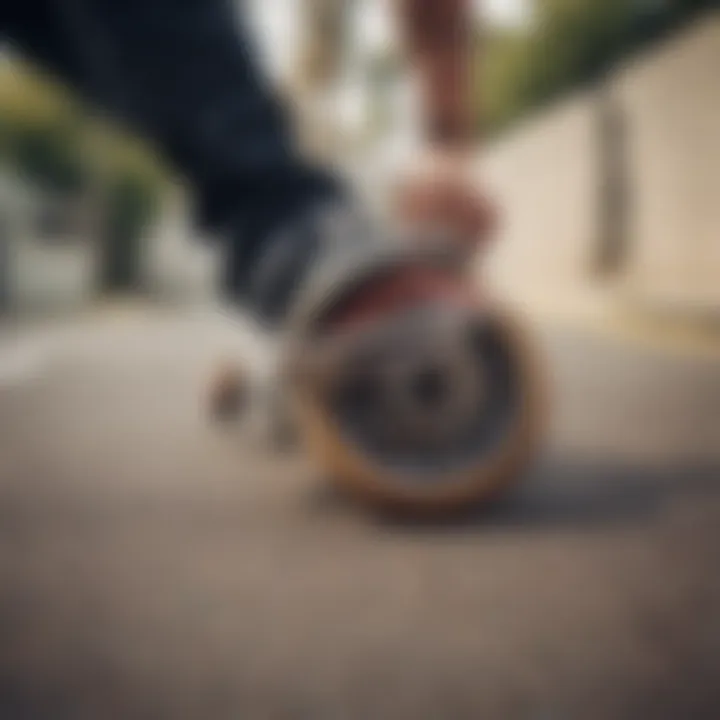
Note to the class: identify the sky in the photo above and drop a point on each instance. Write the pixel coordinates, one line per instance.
(506, 12)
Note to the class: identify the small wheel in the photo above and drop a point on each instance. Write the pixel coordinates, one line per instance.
(228, 395)
(282, 429)
(448, 429)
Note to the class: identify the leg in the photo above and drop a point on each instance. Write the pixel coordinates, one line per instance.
(183, 75)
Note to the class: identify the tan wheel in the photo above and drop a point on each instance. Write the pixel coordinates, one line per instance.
(228, 394)
(434, 460)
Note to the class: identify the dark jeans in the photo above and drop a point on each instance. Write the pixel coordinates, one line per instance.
(182, 73)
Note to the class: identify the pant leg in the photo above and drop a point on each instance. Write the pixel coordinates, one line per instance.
(183, 73)
(31, 27)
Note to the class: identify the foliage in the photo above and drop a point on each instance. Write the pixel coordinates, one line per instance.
(48, 155)
(39, 131)
(571, 43)
(131, 204)
(50, 140)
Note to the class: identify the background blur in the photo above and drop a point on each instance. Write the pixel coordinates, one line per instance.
(601, 120)
(151, 566)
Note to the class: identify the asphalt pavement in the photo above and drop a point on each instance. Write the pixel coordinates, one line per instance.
(154, 566)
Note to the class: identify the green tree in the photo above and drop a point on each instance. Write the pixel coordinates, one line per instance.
(572, 43)
(50, 156)
(48, 138)
(131, 204)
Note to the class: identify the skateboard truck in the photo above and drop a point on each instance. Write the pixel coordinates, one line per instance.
(428, 410)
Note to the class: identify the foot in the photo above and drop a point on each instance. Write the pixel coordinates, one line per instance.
(345, 287)
(319, 253)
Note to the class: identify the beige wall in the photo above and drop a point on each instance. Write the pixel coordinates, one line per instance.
(672, 100)
(545, 175)
(544, 179)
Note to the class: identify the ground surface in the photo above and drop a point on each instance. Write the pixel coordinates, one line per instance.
(153, 567)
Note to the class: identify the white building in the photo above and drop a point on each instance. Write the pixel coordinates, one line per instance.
(47, 258)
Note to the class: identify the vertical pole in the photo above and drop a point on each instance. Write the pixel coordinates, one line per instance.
(613, 190)
(4, 264)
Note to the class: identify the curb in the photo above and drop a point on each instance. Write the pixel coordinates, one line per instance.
(669, 328)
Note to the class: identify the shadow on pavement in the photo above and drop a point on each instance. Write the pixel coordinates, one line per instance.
(564, 494)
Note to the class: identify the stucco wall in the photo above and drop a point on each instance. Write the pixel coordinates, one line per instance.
(544, 178)
(672, 102)
(545, 175)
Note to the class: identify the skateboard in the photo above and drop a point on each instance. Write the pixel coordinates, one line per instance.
(440, 410)
(433, 412)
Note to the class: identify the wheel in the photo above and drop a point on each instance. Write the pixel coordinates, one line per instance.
(282, 430)
(228, 395)
(451, 426)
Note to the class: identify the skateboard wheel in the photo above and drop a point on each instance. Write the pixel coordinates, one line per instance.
(229, 393)
(438, 432)
(282, 431)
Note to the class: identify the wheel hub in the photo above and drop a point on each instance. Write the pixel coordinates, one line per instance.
(428, 392)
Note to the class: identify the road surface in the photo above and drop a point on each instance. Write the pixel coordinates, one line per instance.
(154, 567)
